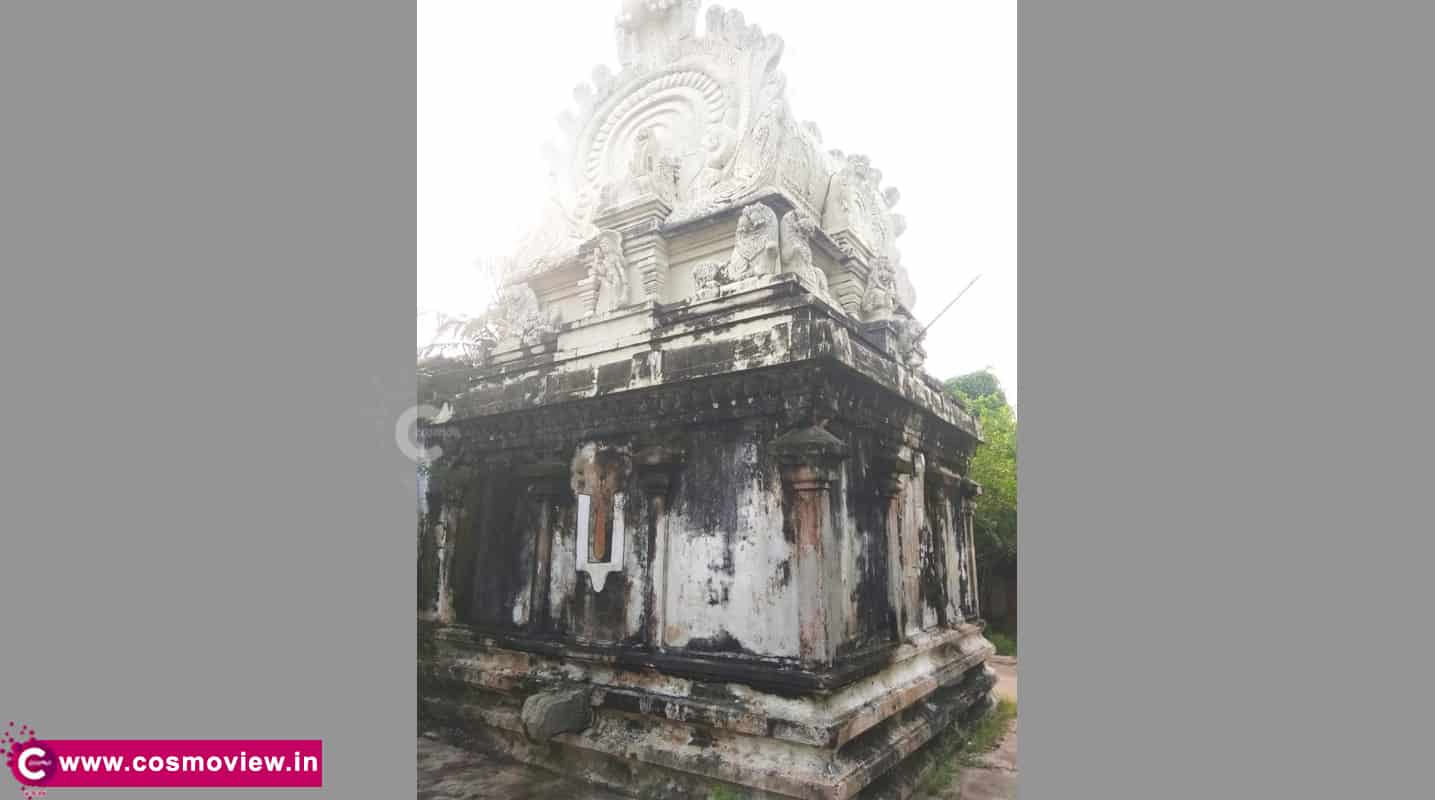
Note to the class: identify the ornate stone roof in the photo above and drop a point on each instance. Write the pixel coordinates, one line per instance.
(691, 128)
(704, 123)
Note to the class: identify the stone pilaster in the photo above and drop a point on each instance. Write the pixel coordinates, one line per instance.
(957, 545)
(644, 249)
(447, 488)
(970, 491)
(657, 468)
(848, 286)
(811, 461)
(548, 484)
(903, 546)
(588, 295)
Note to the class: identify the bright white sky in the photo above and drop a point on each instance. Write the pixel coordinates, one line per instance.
(927, 90)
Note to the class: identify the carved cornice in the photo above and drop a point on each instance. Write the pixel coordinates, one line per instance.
(809, 457)
(792, 395)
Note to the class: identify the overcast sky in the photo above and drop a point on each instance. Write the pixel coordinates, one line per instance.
(927, 90)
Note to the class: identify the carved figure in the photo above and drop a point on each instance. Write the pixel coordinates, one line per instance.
(647, 152)
(856, 203)
(880, 299)
(796, 238)
(713, 186)
(718, 143)
(609, 271)
(758, 153)
(708, 278)
(756, 251)
(651, 170)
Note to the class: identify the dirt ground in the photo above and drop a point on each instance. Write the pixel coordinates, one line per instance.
(446, 772)
(995, 779)
(450, 773)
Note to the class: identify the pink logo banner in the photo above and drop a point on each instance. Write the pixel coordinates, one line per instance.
(161, 763)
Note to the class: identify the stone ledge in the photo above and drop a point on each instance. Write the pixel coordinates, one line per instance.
(808, 331)
(833, 719)
(632, 753)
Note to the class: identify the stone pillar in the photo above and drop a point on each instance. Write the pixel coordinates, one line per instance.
(657, 467)
(811, 460)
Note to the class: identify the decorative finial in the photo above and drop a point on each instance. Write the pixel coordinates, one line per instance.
(645, 28)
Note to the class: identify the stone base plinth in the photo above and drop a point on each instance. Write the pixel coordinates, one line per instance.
(657, 735)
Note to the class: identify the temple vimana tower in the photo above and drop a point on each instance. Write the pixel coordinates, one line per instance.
(700, 518)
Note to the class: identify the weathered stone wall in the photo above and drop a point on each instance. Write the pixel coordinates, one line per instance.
(712, 559)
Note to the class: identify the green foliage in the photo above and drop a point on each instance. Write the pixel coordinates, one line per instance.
(1004, 643)
(981, 383)
(941, 774)
(994, 467)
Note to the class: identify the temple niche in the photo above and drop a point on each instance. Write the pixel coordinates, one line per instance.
(700, 517)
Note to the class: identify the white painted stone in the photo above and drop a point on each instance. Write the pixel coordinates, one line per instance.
(695, 126)
(600, 570)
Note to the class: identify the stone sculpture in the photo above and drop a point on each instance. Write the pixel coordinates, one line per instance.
(880, 300)
(708, 280)
(796, 237)
(651, 171)
(608, 273)
(756, 251)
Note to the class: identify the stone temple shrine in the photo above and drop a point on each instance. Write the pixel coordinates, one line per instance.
(700, 519)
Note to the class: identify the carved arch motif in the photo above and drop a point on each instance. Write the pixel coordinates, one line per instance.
(691, 95)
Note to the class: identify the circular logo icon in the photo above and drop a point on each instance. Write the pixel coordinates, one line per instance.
(34, 763)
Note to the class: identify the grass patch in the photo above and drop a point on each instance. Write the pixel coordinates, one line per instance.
(940, 776)
(1005, 643)
(723, 793)
(989, 730)
(957, 747)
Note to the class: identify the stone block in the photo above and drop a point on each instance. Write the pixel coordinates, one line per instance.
(556, 711)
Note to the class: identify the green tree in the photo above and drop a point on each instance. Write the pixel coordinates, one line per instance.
(981, 383)
(994, 467)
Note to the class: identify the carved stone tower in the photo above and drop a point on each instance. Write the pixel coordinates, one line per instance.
(700, 517)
